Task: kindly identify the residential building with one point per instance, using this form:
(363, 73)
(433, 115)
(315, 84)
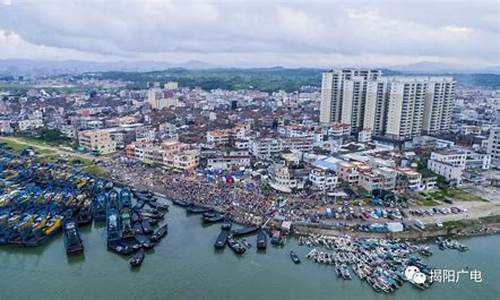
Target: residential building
(226, 162)
(322, 178)
(493, 147)
(343, 95)
(30, 124)
(97, 140)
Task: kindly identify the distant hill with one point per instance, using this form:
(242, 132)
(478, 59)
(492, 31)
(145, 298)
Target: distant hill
(441, 68)
(199, 73)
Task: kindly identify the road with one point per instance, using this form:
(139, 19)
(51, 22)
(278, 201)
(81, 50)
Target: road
(56, 150)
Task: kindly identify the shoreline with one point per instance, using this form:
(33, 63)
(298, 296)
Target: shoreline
(472, 228)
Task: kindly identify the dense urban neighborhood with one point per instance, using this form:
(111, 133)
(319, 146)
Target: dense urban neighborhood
(359, 151)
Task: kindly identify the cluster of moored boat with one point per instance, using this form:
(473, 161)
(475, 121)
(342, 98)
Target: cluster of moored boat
(444, 244)
(38, 200)
(381, 263)
(230, 237)
(227, 236)
(130, 228)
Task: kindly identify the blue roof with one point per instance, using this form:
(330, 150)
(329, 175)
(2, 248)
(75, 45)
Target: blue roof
(325, 164)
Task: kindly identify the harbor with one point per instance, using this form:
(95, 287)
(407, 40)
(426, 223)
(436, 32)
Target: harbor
(187, 255)
(38, 200)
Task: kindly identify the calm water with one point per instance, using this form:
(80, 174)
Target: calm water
(185, 266)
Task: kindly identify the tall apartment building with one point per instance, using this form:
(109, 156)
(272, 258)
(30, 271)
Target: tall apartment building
(494, 146)
(438, 105)
(343, 95)
(398, 107)
(405, 108)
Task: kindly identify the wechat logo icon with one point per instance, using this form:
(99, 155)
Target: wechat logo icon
(414, 275)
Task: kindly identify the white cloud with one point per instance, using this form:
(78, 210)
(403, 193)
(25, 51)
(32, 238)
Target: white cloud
(254, 32)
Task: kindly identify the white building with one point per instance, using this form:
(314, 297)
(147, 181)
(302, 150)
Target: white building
(226, 162)
(323, 179)
(399, 107)
(171, 85)
(30, 124)
(494, 146)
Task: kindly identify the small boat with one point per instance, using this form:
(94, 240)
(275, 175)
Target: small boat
(235, 245)
(119, 247)
(210, 217)
(159, 233)
(226, 225)
(194, 209)
(146, 226)
(246, 244)
(137, 259)
(245, 231)
(261, 240)
(144, 241)
(86, 213)
(72, 240)
(138, 228)
(294, 257)
(109, 185)
(181, 203)
(221, 239)
(139, 204)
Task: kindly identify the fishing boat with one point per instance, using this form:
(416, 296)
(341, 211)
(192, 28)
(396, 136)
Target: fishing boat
(100, 208)
(113, 225)
(159, 233)
(226, 225)
(119, 247)
(127, 230)
(113, 200)
(125, 198)
(109, 185)
(235, 245)
(139, 204)
(294, 257)
(144, 241)
(72, 241)
(221, 240)
(194, 209)
(212, 217)
(146, 226)
(137, 259)
(261, 240)
(85, 214)
(245, 231)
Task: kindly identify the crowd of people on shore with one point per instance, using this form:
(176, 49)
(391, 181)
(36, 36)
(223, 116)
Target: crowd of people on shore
(245, 203)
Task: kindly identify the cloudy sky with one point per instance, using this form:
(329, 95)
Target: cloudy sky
(254, 32)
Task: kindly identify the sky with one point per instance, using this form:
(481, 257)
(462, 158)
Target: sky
(309, 33)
